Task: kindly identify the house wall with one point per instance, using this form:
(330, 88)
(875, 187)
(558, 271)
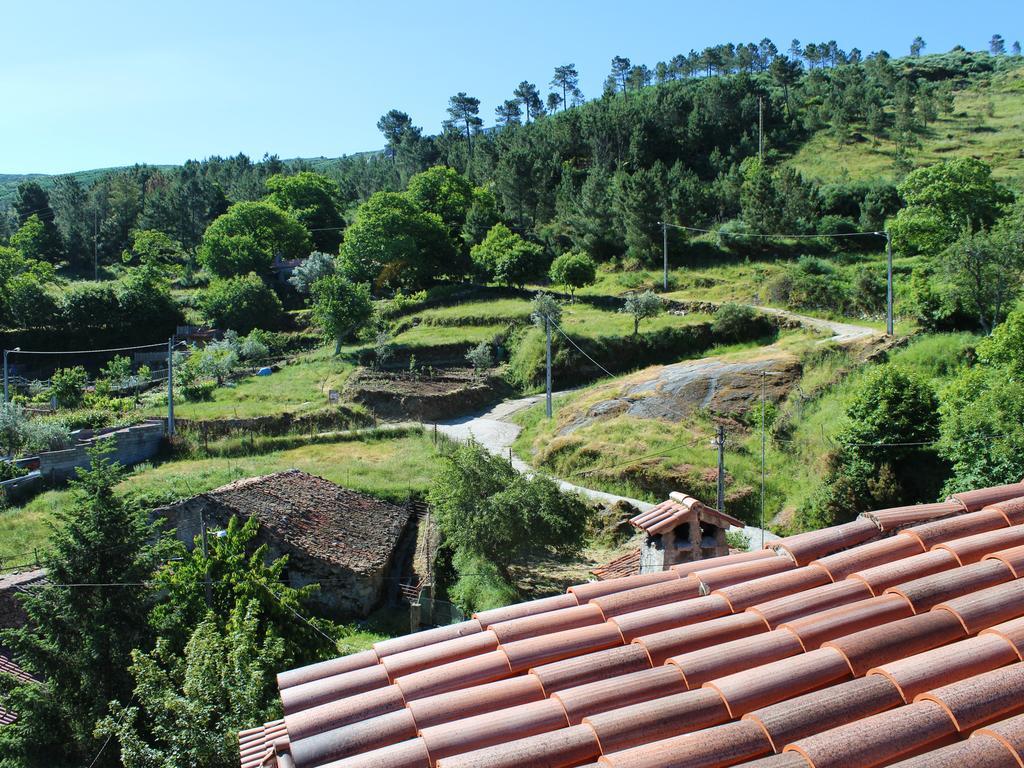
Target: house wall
(343, 593)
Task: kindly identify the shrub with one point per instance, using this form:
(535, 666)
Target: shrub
(480, 356)
(507, 258)
(67, 385)
(312, 269)
(341, 308)
(46, 435)
(739, 322)
(241, 304)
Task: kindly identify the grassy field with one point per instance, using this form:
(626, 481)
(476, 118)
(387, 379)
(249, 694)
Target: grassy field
(986, 123)
(388, 467)
(300, 386)
(629, 455)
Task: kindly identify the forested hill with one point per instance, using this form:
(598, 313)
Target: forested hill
(668, 143)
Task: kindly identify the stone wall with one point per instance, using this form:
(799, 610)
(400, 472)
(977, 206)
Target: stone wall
(133, 445)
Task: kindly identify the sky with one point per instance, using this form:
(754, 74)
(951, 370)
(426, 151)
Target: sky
(104, 83)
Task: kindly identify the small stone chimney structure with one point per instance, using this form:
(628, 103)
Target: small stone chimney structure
(680, 530)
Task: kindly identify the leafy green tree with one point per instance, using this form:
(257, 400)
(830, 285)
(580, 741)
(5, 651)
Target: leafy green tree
(884, 458)
(341, 308)
(507, 258)
(545, 307)
(249, 236)
(312, 269)
(313, 199)
(985, 270)
(144, 302)
(118, 371)
(189, 708)
(82, 625)
(153, 248)
(643, 306)
(393, 244)
(574, 270)
(28, 304)
(36, 240)
(484, 507)
(942, 201)
(241, 304)
(445, 192)
(398, 129)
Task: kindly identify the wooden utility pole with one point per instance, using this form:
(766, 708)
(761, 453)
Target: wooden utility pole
(720, 444)
(547, 334)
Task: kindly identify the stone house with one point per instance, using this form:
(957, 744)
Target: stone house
(680, 530)
(352, 544)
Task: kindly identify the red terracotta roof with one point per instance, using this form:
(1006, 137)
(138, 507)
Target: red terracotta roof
(678, 510)
(9, 667)
(897, 638)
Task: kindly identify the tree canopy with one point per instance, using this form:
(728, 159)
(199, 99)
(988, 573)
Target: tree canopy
(249, 236)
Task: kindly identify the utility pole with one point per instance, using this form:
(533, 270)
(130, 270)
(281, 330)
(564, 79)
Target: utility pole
(547, 334)
(95, 238)
(170, 387)
(720, 444)
(760, 128)
(764, 376)
(7, 396)
(664, 253)
(888, 296)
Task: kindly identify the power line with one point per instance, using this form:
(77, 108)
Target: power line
(297, 615)
(553, 323)
(774, 235)
(85, 351)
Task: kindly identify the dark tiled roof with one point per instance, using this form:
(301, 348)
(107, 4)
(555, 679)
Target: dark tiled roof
(314, 515)
(9, 667)
(898, 637)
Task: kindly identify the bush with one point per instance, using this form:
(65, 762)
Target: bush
(811, 283)
(67, 385)
(241, 304)
(739, 322)
(43, 435)
(507, 258)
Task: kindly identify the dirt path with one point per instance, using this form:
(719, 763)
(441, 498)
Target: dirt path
(494, 430)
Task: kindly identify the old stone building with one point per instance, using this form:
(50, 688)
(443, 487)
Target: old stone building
(352, 544)
(682, 529)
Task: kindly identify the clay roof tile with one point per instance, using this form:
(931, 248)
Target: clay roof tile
(555, 749)
(327, 668)
(1011, 632)
(983, 497)
(646, 597)
(783, 760)
(716, 747)
(1010, 733)
(930, 534)
(987, 607)
(878, 739)
(971, 549)
(779, 680)
(748, 593)
(580, 670)
(405, 754)
(899, 517)
(806, 547)
(814, 600)
(904, 637)
(306, 695)
(669, 616)
(842, 564)
(881, 577)
(406, 662)
(698, 667)
(592, 589)
(427, 637)
(475, 700)
(726, 575)
(803, 716)
(948, 664)
(1011, 509)
(685, 569)
(980, 752)
(819, 628)
(980, 699)
(657, 719)
(927, 592)
(1012, 558)
(671, 642)
(484, 668)
(523, 654)
(529, 608)
(615, 692)
(545, 623)
(335, 714)
(497, 727)
(353, 739)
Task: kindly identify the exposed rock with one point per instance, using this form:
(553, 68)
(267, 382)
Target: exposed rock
(671, 392)
(427, 396)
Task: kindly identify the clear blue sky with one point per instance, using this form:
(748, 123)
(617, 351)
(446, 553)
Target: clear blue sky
(102, 83)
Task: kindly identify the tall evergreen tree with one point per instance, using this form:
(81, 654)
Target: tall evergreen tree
(529, 97)
(567, 80)
(82, 624)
